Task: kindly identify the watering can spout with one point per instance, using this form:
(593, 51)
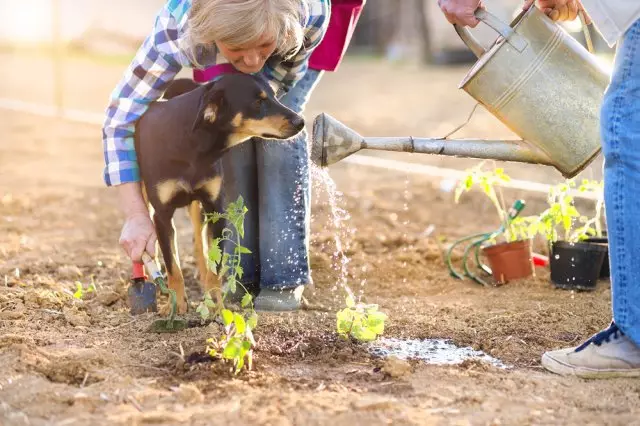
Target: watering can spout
(334, 141)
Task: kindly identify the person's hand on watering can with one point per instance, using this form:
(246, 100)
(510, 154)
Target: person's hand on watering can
(138, 233)
(460, 12)
(558, 10)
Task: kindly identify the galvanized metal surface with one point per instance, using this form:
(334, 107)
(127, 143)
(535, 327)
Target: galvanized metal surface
(333, 141)
(549, 93)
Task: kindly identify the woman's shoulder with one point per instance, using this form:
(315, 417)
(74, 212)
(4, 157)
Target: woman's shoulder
(179, 9)
(318, 12)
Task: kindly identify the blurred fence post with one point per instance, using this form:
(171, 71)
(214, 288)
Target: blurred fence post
(56, 41)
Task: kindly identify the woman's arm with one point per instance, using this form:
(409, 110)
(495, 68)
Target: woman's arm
(156, 63)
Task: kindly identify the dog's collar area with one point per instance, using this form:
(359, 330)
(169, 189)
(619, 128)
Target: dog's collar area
(208, 74)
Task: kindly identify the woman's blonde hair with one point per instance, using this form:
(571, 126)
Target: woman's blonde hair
(244, 22)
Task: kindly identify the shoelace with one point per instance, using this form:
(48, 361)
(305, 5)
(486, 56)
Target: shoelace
(603, 336)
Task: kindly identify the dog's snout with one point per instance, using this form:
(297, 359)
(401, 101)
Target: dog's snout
(297, 122)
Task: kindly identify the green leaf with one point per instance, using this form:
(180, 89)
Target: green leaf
(239, 271)
(363, 334)
(231, 284)
(252, 322)
(203, 310)
(246, 346)
(240, 324)
(227, 317)
(243, 250)
(215, 254)
(209, 303)
(344, 321)
(78, 293)
(215, 217)
(350, 302)
(246, 300)
(232, 348)
(375, 322)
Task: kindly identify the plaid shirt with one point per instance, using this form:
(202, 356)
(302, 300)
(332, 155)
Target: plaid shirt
(160, 58)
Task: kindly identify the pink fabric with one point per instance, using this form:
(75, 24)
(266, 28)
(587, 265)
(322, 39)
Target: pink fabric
(208, 74)
(344, 17)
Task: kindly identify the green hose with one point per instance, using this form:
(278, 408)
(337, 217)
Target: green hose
(476, 244)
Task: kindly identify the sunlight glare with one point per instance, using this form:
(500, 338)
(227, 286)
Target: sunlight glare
(26, 20)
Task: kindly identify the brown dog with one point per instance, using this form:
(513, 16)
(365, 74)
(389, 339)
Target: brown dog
(179, 140)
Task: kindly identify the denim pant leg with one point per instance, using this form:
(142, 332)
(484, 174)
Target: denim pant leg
(238, 170)
(285, 200)
(620, 127)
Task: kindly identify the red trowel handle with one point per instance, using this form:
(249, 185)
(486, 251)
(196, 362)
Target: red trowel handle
(138, 271)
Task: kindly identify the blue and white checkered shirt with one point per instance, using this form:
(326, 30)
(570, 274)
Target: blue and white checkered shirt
(159, 59)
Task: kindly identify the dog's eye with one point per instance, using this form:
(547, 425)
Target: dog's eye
(258, 104)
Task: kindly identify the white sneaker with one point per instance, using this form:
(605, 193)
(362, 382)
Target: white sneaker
(606, 354)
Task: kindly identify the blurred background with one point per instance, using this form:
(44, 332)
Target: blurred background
(400, 75)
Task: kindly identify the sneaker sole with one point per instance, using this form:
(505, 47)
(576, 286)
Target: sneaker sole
(563, 369)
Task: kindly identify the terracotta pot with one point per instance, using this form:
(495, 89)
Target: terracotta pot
(510, 261)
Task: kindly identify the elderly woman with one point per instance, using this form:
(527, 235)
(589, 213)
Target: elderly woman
(274, 38)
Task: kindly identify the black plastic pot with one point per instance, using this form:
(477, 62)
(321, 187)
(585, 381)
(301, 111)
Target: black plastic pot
(604, 271)
(576, 266)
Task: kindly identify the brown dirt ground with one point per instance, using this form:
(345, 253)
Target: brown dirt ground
(65, 362)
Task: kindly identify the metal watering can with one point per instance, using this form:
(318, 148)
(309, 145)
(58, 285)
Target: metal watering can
(536, 79)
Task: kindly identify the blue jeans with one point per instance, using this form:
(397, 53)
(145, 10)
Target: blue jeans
(273, 179)
(620, 127)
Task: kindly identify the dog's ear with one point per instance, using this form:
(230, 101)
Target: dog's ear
(211, 103)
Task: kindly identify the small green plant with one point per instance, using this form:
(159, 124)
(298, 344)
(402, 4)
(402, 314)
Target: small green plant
(80, 291)
(361, 321)
(237, 343)
(490, 183)
(563, 213)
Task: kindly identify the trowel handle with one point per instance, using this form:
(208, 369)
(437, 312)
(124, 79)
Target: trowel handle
(138, 271)
(514, 39)
(151, 266)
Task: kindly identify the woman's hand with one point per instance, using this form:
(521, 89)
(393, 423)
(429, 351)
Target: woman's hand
(460, 12)
(559, 10)
(138, 233)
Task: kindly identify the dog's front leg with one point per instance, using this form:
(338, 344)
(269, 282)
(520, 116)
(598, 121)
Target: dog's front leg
(169, 247)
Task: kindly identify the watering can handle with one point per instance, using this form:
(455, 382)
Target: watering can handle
(514, 39)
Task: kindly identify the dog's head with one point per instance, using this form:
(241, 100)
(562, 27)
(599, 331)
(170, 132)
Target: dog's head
(244, 106)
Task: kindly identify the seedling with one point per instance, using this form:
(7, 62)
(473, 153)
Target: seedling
(490, 183)
(80, 291)
(237, 343)
(361, 321)
(563, 213)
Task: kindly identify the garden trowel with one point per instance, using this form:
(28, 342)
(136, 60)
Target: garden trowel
(142, 293)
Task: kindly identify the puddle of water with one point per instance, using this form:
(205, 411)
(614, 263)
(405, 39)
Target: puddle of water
(431, 351)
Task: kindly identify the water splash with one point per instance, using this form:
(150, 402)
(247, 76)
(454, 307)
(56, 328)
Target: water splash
(341, 231)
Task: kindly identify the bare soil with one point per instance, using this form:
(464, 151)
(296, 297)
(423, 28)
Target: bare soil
(65, 361)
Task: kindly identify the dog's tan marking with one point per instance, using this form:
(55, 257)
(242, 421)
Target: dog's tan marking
(209, 281)
(237, 120)
(211, 187)
(168, 189)
(210, 113)
(175, 280)
(199, 240)
(263, 95)
(275, 125)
